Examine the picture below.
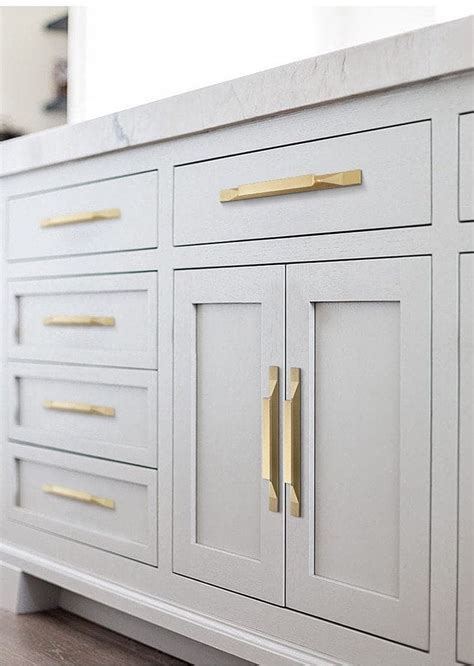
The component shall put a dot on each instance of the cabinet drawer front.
(99, 320)
(395, 190)
(104, 504)
(105, 216)
(466, 167)
(105, 412)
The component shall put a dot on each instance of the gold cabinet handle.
(292, 185)
(78, 408)
(293, 442)
(270, 438)
(85, 216)
(78, 495)
(78, 320)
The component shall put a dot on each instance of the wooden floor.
(57, 637)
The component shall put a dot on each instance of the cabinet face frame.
(465, 620)
(262, 576)
(404, 617)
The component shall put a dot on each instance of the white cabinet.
(236, 365)
(359, 332)
(229, 330)
(465, 651)
(359, 553)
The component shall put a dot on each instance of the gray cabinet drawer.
(105, 216)
(466, 168)
(98, 320)
(395, 190)
(104, 412)
(104, 504)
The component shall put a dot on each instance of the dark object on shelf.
(7, 131)
(59, 24)
(59, 103)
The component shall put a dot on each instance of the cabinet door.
(359, 553)
(229, 330)
(466, 464)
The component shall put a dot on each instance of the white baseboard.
(243, 643)
(21, 593)
(149, 634)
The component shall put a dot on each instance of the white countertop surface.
(436, 51)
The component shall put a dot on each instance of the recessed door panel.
(229, 331)
(359, 552)
(229, 360)
(357, 420)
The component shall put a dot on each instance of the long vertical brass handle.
(293, 442)
(270, 428)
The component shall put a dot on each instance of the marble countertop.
(436, 51)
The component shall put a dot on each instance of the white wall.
(27, 55)
(133, 54)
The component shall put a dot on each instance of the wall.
(27, 53)
(131, 56)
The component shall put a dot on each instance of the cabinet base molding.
(22, 593)
(251, 646)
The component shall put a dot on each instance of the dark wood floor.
(57, 637)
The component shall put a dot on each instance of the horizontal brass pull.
(77, 495)
(78, 407)
(85, 216)
(293, 442)
(292, 185)
(270, 439)
(78, 320)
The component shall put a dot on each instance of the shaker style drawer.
(370, 180)
(99, 320)
(104, 412)
(100, 503)
(105, 216)
(466, 167)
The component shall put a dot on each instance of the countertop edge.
(433, 52)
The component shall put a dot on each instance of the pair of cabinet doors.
(359, 332)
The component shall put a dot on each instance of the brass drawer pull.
(270, 439)
(85, 216)
(78, 408)
(292, 185)
(293, 442)
(78, 320)
(77, 495)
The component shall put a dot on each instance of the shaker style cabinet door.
(358, 553)
(228, 357)
(465, 651)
